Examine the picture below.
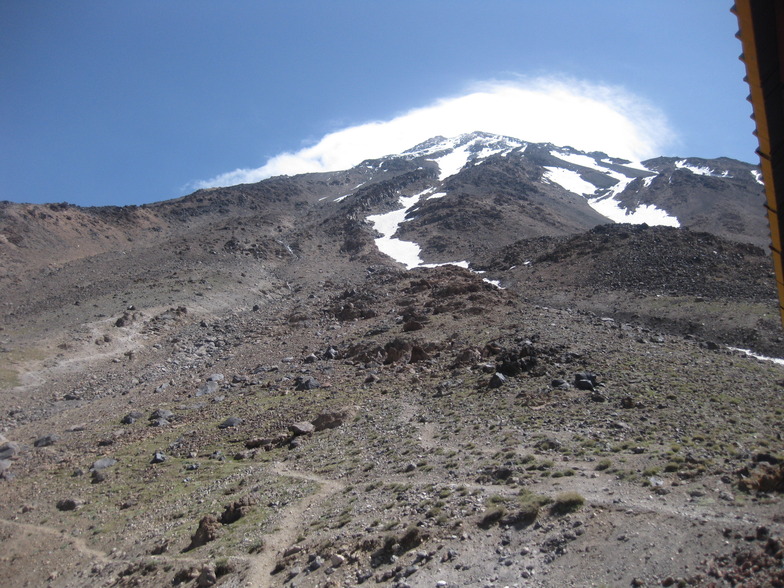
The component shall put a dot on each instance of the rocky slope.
(238, 388)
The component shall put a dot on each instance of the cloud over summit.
(562, 111)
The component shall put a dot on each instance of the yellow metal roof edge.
(750, 57)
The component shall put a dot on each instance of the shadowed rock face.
(325, 417)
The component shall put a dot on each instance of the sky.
(130, 102)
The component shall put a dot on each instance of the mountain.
(481, 361)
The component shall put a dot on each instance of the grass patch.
(603, 464)
(567, 502)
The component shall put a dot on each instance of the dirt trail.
(76, 542)
(293, 520)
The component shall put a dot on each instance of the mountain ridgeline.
(476, 192)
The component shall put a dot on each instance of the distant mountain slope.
(445, 200)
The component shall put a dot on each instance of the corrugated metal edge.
(763, 93)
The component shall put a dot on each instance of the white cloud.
(562, 111)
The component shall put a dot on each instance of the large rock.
(237, 509)
(68, 504)
(230, 423)
(268, 443)
(306, 383)
(9, 450)
(46, 440)
(208, 387)
(103, 463)
(397, 351)
(209, 529)
(301, 428)
(131, 417)
(585, 381)
(497, 380)
(207, 576)
(162, 413)
(5, 469)
(331, 419)
(468, 357)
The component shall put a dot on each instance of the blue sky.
(133, 102)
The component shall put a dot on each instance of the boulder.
(207, 576)
(397, 351)
(468, 357)
(301, 428)
(162, 413)
(131, 417)
(331, 419)
(268, 443)
(103, 463)
(585, 377)
(583, 385)
(46, 440)
(418, 354)
(68, 504)
(9, 450)
(497, 380)
(237, 509)
(98, 476)
(209, 529)
(230, 422)
(209, 387)
(306, 383)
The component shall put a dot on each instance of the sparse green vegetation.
(603, 464)
(567, 502)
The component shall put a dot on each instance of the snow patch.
(496, 283)
(453, 162)
(608, 205)
(631, 165)
(436, 195)
(569, 180)
(758, 356)
(700, 171)
(463, 264)
(757, 176)
(644, 213)
(405, 252)
(577, 159)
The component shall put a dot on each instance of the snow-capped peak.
(451, 155)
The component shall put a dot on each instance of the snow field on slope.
(701, 171)
(405, 252)
(607, 204)
(451, 163)
(569, 180)
(645, 213)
